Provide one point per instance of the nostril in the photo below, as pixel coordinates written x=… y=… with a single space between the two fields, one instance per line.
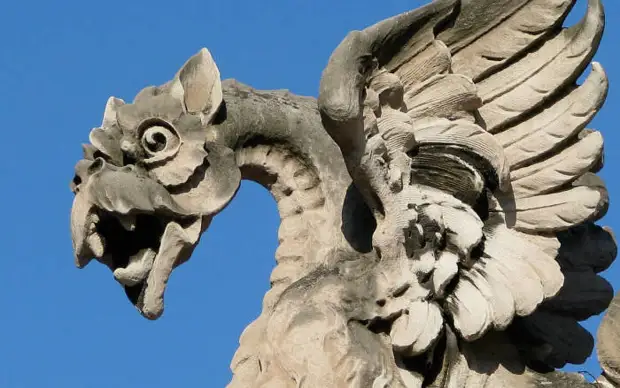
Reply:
x=75 y=183
x=381 y=302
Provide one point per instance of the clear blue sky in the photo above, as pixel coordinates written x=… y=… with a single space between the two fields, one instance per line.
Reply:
x=59 y=62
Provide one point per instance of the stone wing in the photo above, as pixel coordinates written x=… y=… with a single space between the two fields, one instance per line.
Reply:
x=465 y=119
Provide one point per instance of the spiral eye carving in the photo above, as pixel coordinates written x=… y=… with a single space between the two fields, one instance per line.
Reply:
x=159 y=139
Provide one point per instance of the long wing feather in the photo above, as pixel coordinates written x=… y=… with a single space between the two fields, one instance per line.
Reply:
x=549 y=213
x=584 y=295
x=587 y=247
x=560 y=169
x=549 y=129
x=513 y=92
x=524 y=26
x=476 y=19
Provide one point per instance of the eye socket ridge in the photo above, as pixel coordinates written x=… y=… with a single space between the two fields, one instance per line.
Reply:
x=158 y=138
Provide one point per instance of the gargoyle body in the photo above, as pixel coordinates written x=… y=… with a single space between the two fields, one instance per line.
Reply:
x=437 y=202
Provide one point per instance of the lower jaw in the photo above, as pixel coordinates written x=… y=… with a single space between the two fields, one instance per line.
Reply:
x=148 y=271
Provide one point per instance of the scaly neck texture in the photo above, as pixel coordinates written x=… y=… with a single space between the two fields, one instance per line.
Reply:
x=281 y=144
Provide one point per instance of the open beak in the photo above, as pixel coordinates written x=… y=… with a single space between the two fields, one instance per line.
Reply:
x=130 y=223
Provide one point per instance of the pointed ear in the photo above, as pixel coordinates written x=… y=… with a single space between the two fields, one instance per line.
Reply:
x=201 y=84
x=109 y=115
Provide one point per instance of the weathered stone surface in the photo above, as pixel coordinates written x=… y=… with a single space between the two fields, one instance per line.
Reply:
x=609 y=343
x=437 y=202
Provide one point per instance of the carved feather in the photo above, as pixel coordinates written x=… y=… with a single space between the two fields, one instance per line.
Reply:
x=526 y=84
x=549 y=130
x=563 y=168
x=463 y=228
x=516 y=278
x=446 y=267
x=387 y=85
x=449 y=96
x=587 y=247
x=505 y=243
x=415 y=32
x=477 y=18
x=583 y=295
x=414 y=332
x=434 y=60
x=394 y=122
x=448 y=173
x=551 y=212
x=471 y=312
x=549 y=243
x=532 y=290
x=569 y=341
x=498 y=295
x=522 y=28
x=468 y=136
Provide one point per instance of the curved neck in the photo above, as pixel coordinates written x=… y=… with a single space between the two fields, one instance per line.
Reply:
x=298 y=190
x=280 y=143
x=281 y=124
x=277 y=117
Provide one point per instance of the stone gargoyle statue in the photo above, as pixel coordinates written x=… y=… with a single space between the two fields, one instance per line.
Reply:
x=438 y=202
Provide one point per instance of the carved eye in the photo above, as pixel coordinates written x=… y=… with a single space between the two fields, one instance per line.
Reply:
x=159 y=139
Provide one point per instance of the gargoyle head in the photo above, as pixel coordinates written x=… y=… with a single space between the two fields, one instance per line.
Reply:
x=150 y=182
